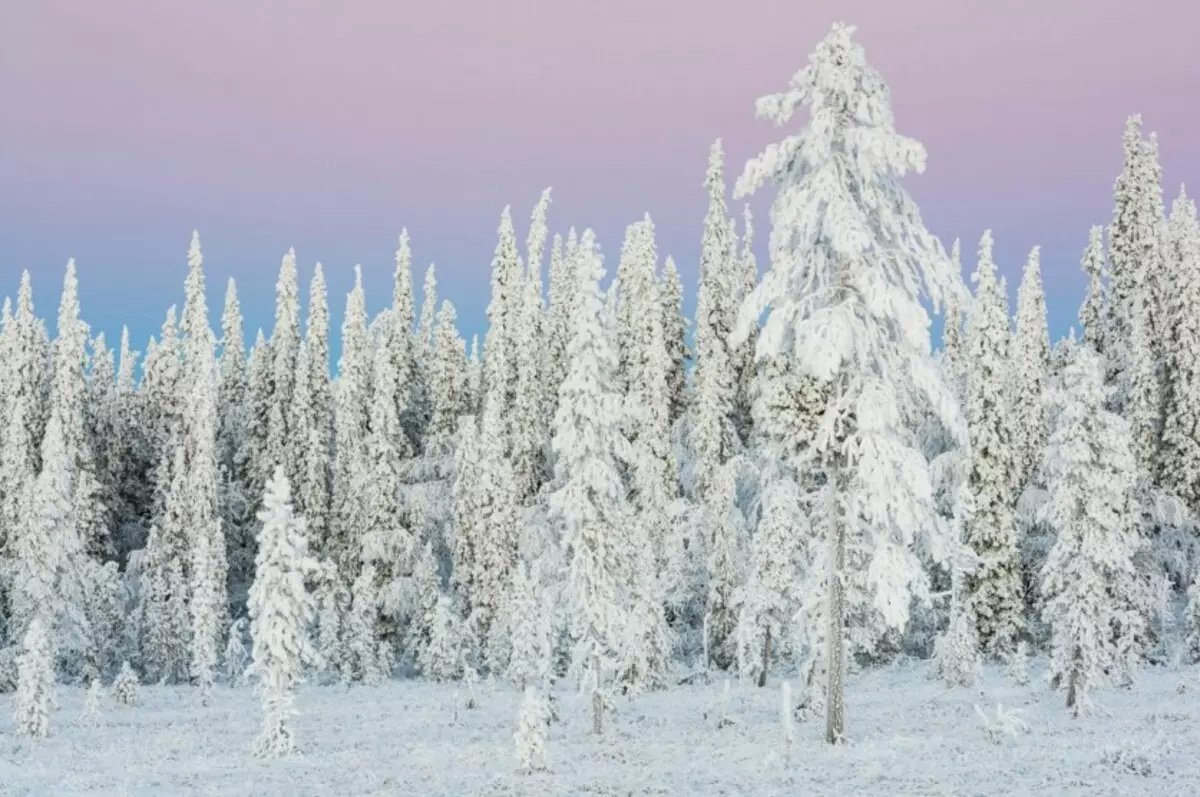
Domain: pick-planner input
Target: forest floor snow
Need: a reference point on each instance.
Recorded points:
(907, 735)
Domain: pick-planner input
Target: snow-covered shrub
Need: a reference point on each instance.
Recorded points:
(125, 686)
(35, 682)
(533, 724)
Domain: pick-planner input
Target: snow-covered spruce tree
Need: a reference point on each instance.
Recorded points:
(745, 368)
(441, 659)
(994, 588)
(832, 258)
(956, 652)
(496, 537)
(362, 643)
(530, 627)
(465, 492)
(1181, 433)
(125, 686)
(387, 543)
(1093, 315)
(447, 380)
(312, 416)
(1089, 578)
(281, 611)
(398, 338)
(726, 548)
(527, 423)
(233, 454)
(767, 600)
(1192, 623)
(35, 681)
(1156, 247)
(1030, 370)
(165, 622)
(27, 383)
(209, 603)
(102, 420)
(499, 376)
(280, 448)
(675, 331)
(713, 432)
(422, 348)
(588, 499)
(1135, 239)
(69, 392)
(350, 415)
(558, 320)
(533, 725)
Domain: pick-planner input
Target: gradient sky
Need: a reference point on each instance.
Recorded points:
(329, 126)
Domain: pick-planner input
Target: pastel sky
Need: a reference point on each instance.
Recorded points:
(328, 126)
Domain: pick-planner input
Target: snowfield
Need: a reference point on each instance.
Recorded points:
(909, 735)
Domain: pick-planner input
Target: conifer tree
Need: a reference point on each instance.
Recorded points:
(499, 376)
(1030, 371)
(26, 380)
(1181, 432)
(527, 423)
(351, 403)
(675, 330)
(1093, 315)
(398, 338)
(35, 682)
(448, 398)
(746, 276)
(312, 416)
(558, 319)
(281, 611)
(994, 587)
(1088, 580)
(715, 375)
(877, 481)
(467, 521)
(285, 354)
(532, 726)
(588, 500)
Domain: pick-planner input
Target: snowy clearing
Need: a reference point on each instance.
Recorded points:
(909, 735)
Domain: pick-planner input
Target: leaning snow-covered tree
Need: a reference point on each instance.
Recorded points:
(281, 612)
(849, 258)
(1089, 580)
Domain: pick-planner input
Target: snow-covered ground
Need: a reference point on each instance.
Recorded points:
(909, 735)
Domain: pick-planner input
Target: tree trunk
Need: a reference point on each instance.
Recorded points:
(766, 659)
(597, 700)
(1073, 685)
(835, 709)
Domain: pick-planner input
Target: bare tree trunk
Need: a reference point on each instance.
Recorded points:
(835, 708)
(766, 659)
(597, 699)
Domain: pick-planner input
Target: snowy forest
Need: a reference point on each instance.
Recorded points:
(607, 499)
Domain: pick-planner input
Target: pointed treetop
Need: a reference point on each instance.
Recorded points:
(714, 177)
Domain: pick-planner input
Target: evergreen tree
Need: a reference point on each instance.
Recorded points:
(26, 380)
(281, 611)
(715, 376)
(746, 276)
(285, 354)
(558, 319)
(994, 588)
(1030, 370)
(398, 338)
(447, 378)
(675, 330)
(499, 367)
(350, 413)
(527, 423)
(1093, 315)
(35, 682)
(467, 521)
(312, 416)
(878, 362)
(1089, 579)
(588, 500)
(1181, 433)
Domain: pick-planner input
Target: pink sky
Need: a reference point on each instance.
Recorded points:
(328, 126)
